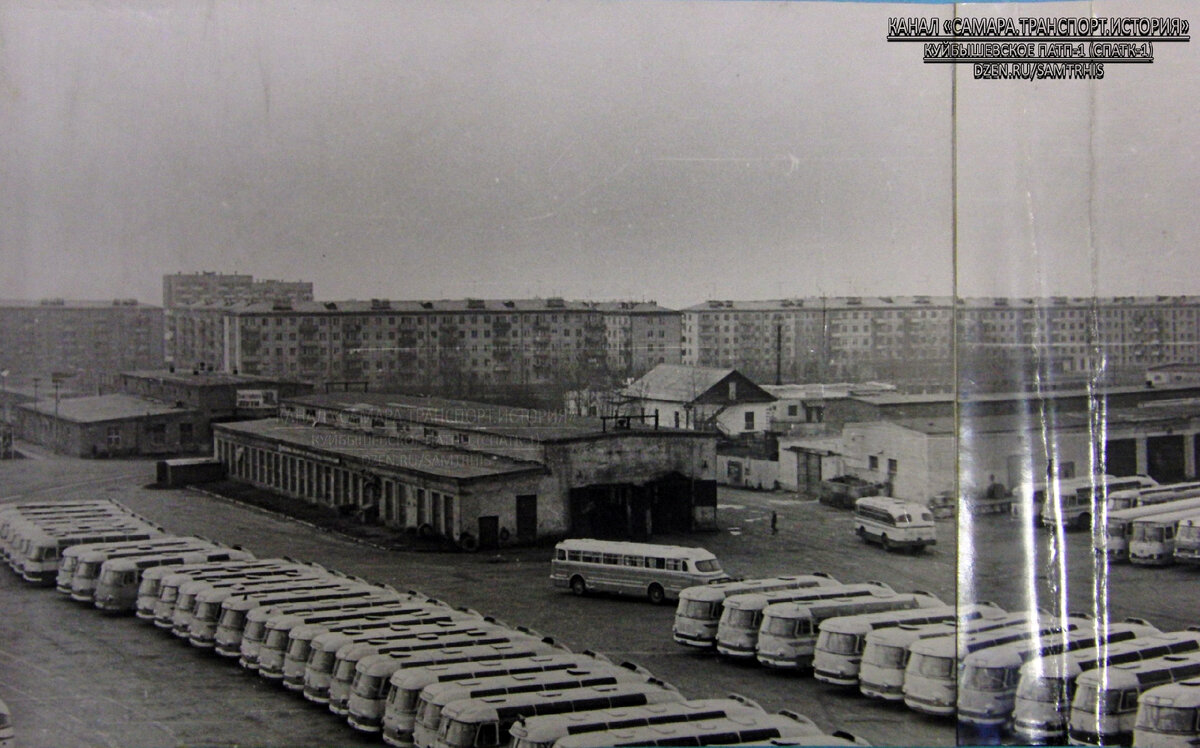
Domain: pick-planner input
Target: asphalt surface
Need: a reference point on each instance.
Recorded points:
(75, 677)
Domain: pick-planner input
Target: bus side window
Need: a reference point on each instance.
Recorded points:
(656, 563)
(1129, 700)
(560, 554)
(612, 559)
(573, 555)
(631, 560)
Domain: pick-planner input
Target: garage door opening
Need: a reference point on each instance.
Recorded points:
(627, 511)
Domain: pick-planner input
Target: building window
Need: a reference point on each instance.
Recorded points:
(185, 432)
(793, 410)
(114, 436)
(749, 420)
(873, 462)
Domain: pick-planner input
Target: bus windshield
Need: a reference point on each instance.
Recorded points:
(404, 698)
(935, 667)
(780, 626)
(743, 619)
(1189, 533)
(1166, 719)
(841, 643)
(1093, 699)
(708, 565)
(885, 656)
(1046, 690)
(1147, 533)
(695, 609)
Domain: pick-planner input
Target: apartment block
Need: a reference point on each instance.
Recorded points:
(83, 340)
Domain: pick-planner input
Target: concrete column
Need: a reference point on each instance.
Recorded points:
(1189, 455)
(1142, 460)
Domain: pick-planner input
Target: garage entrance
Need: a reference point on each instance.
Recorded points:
(1120, 457)
(1164, 458)
(621, 511)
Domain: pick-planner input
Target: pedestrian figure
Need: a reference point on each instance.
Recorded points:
(774, 521)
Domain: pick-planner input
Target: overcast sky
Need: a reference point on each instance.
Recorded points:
(590, 149)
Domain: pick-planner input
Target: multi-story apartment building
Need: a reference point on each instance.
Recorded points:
(182, 289)
(445, 342)
(83, 339)
(639, 335)
(909, 339)
(218, 290)
(798, 340)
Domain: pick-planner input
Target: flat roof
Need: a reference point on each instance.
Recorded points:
(395, 452)
(205, 378)
(97, 408)
(51, 304)
(430, 306)
(502, 420)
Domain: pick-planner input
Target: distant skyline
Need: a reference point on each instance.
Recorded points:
(674, 151)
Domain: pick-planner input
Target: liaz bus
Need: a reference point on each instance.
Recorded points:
(788, 633)
(213, 591)
(334, 656)
(700, 607)
(279, 623)
(987, 686)
(1152, 540)
(42, 549)
(1032, 499)
(117, 584)
(1075, 509)
(1187, 541)
(436, 696)
(73, 556)
(894, 523)
(543, 731)
(1046, 685)
(160, 586)
(931, 675)
(220, 614)
(886, 651)
(1114, 544)
(838, 651)
(659, 572)
(385, 693)
(737, 631)
(752, 729)
(1135, 497)
(92, 558)
(347, 658)
(485, 722)
(1169, 716)
(1105, 706)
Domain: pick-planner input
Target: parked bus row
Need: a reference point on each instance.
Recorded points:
(400, 664)
(1153, 535)
(1071, 503)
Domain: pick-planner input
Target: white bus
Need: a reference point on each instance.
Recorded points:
(117, 584)
(330, 669)
(273, 627)
(160, 586)
(737, 631)
(485, 722)
(1031, 499)
(787, 636)
(1075, 509)
(41, 549)
(212, 591)
(92, 558)
(385, 693)
(987, 681)
(1135, 497)
(347, 658)
(1106, 698)
(734, 729)
(659, 572)
(699, 609)
(1169, 716)
(543, 731)
(894, 523)
(1152, 540)
(219, 613)
(1187, 541)
(886, 651)
(1046, 686)
(841, 642)
(931, 675)
(436, 696)
(1114, 544)
(73, 556)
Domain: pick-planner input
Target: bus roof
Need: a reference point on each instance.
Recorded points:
(849, 606)
(1169, 518)
(721, 590)
(891, 504)
(1150, 510)
(185, 555)
(549, 727)
(1145, 673)
(1057, 643)
(628, 548)
(865, 622)
(1133, 650)
(757, 600)
(1184, 694)
(750, 727)
(512, 706)
(950, 646)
